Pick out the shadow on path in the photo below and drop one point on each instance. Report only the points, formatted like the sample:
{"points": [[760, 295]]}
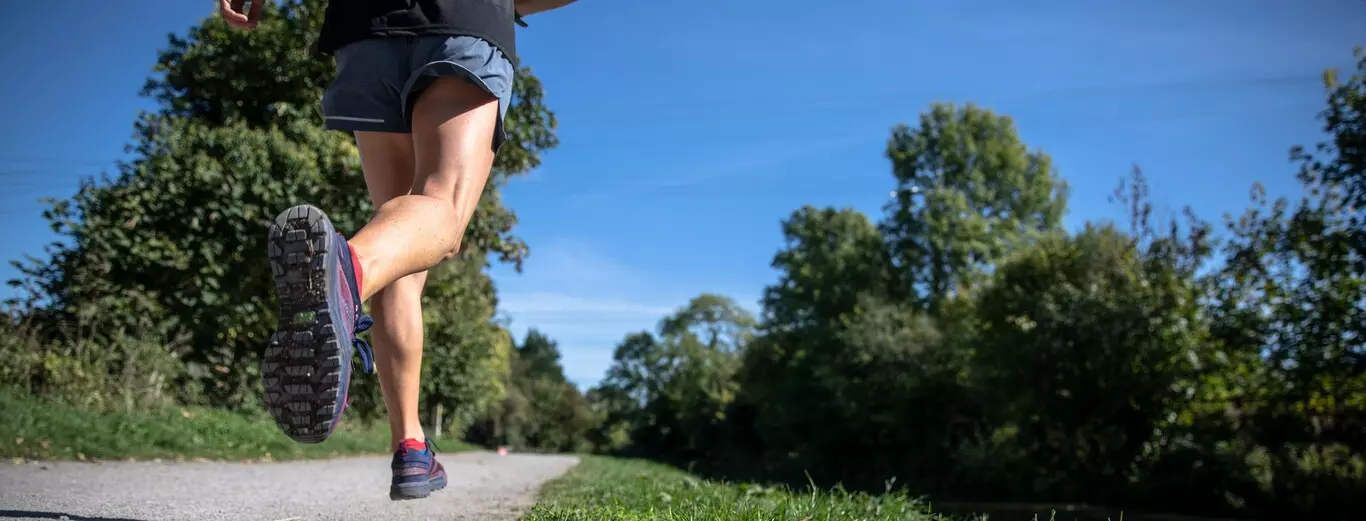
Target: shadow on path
{"points": [[23, 514]]}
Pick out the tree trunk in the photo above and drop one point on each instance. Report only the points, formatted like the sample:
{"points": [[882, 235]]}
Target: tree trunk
{"points": [[437, 420]]}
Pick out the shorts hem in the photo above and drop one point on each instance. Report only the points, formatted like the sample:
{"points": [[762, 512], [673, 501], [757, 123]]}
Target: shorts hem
{"points": [[359, 125], [451, 69]]}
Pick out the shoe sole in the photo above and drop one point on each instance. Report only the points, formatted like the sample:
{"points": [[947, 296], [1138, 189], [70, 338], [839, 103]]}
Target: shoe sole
{"points": [[302, 367], [416, 490]]}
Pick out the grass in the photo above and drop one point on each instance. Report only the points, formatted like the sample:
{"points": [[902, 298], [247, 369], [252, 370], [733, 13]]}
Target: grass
{"points": [[34, 428], [608, 489]]}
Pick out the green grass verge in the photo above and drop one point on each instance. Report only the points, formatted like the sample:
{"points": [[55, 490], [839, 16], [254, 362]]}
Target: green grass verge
{"points": [[33, 428], [607, 489]]}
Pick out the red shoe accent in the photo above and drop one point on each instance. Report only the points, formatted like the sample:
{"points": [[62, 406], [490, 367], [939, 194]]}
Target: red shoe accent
{"points": [[412, 444], [355, 266]]}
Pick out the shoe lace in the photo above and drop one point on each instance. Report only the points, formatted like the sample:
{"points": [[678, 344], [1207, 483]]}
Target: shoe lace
{"points": [[367, 356]]}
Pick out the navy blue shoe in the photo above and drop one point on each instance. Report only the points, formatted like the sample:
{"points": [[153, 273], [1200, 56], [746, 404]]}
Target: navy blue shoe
{"points": [[306, 369], [416, 471]]}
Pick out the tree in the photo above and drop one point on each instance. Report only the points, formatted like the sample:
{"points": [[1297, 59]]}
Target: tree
{"points": [[1085, 356], [706, 339], [671, 392], [542, 410], [1292, 300], [1341, 164], [830, 259], [629, 386], [835, 388], [236, 137], [539, 357], [968, 192]]}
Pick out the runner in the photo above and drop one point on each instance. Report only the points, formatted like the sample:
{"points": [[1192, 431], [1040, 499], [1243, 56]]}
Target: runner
{"points": [[424, 85]]}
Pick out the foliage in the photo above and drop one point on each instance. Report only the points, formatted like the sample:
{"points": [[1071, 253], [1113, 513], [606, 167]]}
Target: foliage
{"points": [[669, 393], [1084, 355], [542, 410], [967, 192], [1290, 306], [41, 428], [132, 370], [968, 348]]}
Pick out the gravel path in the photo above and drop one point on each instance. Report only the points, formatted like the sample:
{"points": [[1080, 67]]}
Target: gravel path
{"points": [[483, 487]]}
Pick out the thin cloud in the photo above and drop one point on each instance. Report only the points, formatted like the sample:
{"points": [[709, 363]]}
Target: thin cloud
{"points": [[751, 163], [586, 301], [587, 329], [548, 303], [754, 162]]}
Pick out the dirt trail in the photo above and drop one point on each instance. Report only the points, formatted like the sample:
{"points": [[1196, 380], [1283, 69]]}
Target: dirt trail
{"points": [[483, 487]]}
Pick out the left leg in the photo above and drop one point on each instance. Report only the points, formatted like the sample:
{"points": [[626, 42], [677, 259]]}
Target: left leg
{"points": [[388, 162], [458, 94]]}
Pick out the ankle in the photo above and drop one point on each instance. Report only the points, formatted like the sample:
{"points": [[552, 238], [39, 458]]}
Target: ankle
{"points": [[415, 444], [401, 435]]}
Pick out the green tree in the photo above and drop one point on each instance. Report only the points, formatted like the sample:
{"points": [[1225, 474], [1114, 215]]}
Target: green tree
{"points": [[839, 384], [671, 392], [1292, 300], [1341, 163], [542, 411], [630, 385], [467, 356], [831, 257], [1085, 354], [539, 357], [968, 192], [706, 339]]}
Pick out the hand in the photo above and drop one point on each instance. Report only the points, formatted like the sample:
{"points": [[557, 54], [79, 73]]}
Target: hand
{"points": [[237, 18]]}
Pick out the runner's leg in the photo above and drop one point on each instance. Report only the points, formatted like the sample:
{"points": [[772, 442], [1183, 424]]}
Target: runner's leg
{"points": [[388, 162], [455, 122]]}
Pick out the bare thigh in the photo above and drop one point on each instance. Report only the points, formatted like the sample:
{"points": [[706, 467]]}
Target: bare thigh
{"points": [[453, 126], [387, 162]]}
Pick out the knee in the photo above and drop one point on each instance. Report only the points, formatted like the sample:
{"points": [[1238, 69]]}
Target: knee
{"points": [[456, 251]]}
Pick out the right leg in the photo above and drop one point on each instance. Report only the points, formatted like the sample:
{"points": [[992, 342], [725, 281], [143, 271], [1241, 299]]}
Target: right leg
{"points": [[306, 368]]}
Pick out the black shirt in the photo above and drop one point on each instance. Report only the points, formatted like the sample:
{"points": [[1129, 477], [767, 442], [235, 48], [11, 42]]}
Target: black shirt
{"points": [[347, 21]]}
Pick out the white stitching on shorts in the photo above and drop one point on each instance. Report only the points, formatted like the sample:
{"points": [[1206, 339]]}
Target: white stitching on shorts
{"points": [[362, 120]]}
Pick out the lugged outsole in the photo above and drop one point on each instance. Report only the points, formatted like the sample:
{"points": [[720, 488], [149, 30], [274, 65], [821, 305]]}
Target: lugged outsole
{"points": [[302, 367], [421, 493], [397, 494]]}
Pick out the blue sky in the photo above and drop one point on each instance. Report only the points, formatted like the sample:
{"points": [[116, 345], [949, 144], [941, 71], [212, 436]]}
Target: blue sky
{"points": [[689, 129]]}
